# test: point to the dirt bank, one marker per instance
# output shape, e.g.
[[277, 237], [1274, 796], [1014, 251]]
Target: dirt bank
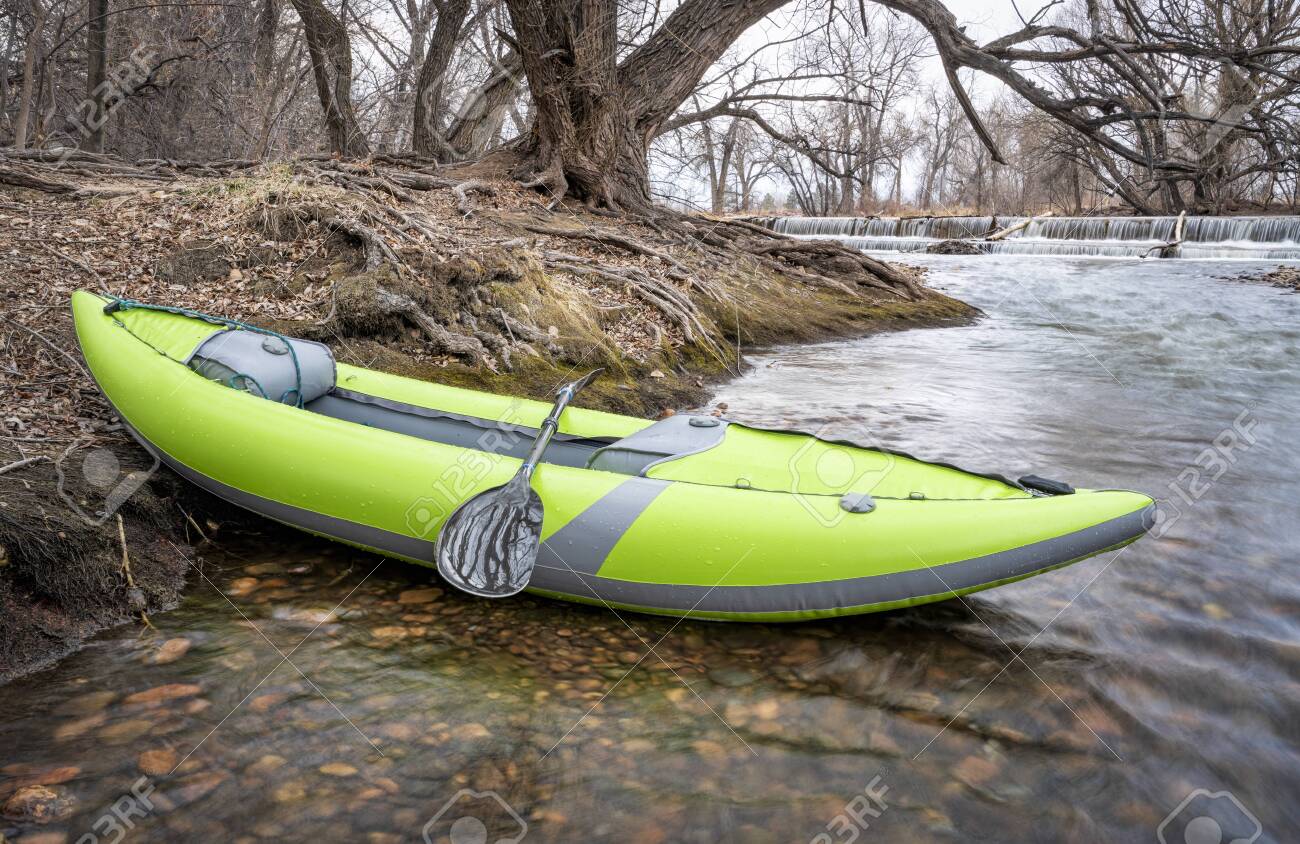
[[449, 276]]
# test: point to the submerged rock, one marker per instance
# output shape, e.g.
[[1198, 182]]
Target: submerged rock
[[37, 804]]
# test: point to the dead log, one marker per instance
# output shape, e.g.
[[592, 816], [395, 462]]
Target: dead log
[[1010, 230]]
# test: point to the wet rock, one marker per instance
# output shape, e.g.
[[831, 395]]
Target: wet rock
[[953, 247], [399, 732], [37, 804], [196, 787], [707, 747], [732, 677], [1216, 612], [158, 694], [267, 702], [125, 731], [79, 727], [262, 569], [44, 837], [337, 769], [390, 786], [170, 651], [157, 763], [309, 617], [17, 776], [242, 586], [391, 631], [425, 595], [290, 792], [86, 704], [265, 765], [471, 732], [975, 770]]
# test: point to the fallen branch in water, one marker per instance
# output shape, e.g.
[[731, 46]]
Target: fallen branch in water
[[1010, 230]]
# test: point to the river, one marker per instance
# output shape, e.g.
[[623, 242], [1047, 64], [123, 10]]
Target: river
[[307, 691]]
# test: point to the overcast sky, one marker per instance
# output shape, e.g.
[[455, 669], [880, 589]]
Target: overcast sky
[[984, 20]]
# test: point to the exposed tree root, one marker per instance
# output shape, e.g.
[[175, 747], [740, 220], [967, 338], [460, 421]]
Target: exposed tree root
[[444, 340], [464, 189]]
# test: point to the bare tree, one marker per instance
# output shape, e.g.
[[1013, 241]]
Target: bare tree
[[331, 57]]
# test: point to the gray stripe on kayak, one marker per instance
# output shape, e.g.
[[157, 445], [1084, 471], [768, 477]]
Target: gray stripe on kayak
[[778, 598], [855, 591], [585, 542]]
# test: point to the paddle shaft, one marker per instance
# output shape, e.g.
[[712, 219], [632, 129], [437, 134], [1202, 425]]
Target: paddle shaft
[[548, 429]]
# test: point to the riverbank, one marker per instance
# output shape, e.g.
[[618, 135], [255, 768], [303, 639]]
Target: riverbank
[[434, 274]]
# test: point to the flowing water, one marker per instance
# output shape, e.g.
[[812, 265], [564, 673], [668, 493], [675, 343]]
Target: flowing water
[[1247, 238], [307, 691]]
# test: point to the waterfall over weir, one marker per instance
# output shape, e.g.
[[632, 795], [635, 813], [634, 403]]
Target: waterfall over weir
[[1256, 238]]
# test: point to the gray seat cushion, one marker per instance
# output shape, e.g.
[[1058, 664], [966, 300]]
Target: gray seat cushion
[[261, 364]]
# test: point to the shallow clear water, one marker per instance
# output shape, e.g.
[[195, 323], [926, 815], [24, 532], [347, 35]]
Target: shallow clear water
[[1144, 675]]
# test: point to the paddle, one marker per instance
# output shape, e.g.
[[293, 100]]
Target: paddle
[[488, 547]]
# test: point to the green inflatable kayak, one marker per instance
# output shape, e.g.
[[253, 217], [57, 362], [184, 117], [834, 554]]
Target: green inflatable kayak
[[689, 515]]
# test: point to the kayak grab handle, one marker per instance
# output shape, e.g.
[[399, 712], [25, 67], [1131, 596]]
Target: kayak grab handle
[[1046, 485]]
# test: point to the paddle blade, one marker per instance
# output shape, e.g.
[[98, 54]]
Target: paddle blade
[[488, 547]]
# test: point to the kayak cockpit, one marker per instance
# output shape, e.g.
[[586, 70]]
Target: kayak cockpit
[[461, 430]]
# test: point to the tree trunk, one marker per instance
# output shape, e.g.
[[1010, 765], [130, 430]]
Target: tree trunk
[[426, 135], [96, 71], [594, 116], [29, 74], [268, 24], [331, 59], [481, 115]]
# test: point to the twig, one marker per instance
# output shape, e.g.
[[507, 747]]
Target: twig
[[19, 464], [195, 524], [126, 566], [39, 336]]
